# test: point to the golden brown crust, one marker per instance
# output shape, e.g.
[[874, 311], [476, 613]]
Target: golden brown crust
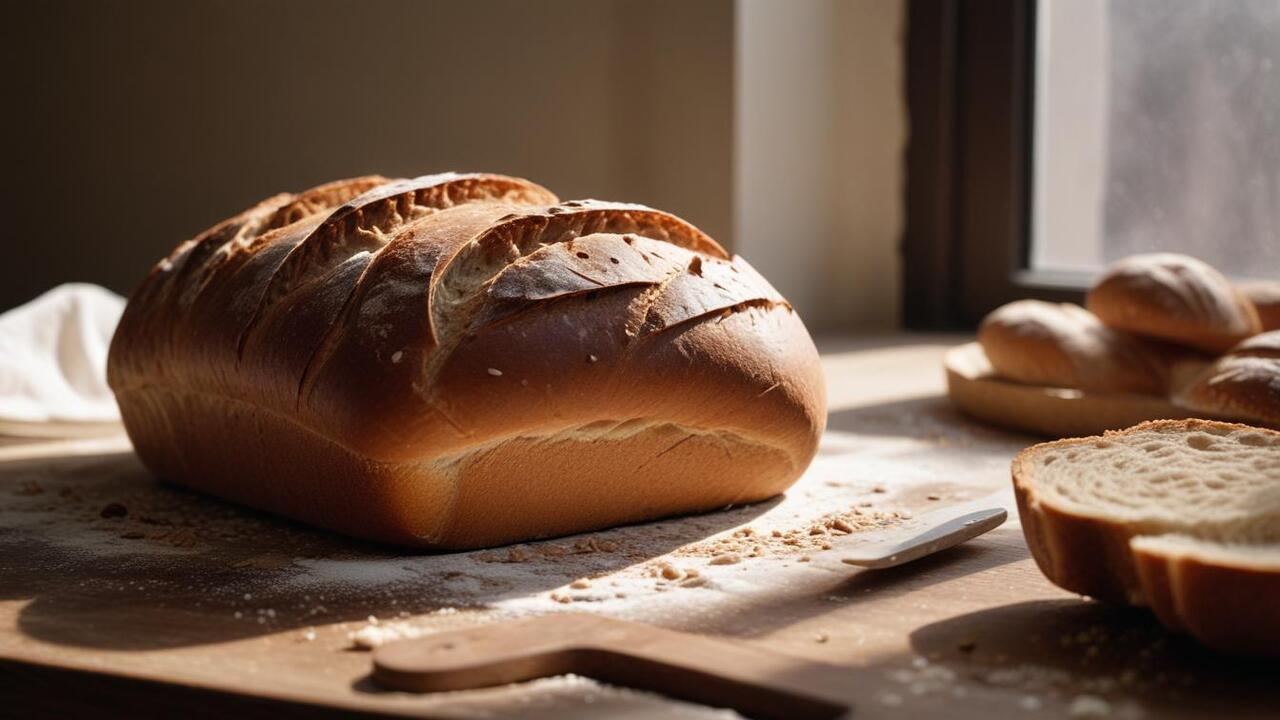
[[460, 346], [169, 291], [1061, 345], [525, 488], [1096, 557], [1229, 608], [1174, 298], [1244, 383], [974, 389]]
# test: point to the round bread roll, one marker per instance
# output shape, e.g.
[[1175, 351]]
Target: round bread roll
[[462, 360], [1063, 345], [1175, 298], [1265, 296], [1243, 384]]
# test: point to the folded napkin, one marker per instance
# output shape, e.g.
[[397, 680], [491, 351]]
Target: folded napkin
[[53, 357]]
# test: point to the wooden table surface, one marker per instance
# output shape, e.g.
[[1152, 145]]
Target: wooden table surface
[[186, 604]]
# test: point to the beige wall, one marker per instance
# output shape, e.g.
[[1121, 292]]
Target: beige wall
[[819, 150], [138, 124]]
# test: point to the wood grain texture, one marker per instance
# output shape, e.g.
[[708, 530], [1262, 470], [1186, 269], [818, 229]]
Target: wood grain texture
[[149, 624]]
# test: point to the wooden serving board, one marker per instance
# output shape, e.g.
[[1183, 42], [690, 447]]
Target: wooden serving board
[[976, 390], [117, 592]]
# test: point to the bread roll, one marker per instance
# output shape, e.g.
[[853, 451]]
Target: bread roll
[[1265, 296], [1174, 298], [1244, 383], [458, 361], [1182, 516], [1065, 346]]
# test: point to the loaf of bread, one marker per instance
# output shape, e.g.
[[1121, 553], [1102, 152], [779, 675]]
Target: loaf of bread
[[1065, 346], [1242, 384], [1175, 298], [1265, 296], [458, 361], [1182, 516]]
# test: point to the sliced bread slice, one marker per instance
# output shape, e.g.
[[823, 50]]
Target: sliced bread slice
[[1224, 593], [1179, 515]]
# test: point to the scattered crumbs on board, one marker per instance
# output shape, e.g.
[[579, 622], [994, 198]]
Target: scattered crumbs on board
[[748, 542]]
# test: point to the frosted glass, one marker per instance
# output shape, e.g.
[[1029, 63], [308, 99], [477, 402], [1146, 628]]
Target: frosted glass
[[1158, 128]]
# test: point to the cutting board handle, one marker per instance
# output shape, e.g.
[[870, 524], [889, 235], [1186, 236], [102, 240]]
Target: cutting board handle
[[720, 673]]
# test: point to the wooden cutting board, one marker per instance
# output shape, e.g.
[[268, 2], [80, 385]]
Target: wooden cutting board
[[754, 681], [187, 605]]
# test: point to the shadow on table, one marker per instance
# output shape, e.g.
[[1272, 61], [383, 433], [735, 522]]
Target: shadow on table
[[167, 567], [1066, 648]]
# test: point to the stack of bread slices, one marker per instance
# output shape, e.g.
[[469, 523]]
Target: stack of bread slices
[[1180, 515], [1160, 336]]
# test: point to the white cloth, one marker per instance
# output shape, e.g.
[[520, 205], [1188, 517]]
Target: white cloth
[[53, 357]]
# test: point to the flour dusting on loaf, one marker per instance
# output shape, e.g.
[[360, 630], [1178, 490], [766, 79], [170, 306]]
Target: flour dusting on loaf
[[461, 360]]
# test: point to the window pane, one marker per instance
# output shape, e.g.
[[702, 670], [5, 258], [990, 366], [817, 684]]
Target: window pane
[[1158, 128]]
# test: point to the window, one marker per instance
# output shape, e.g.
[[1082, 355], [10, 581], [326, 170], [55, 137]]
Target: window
[[1050, 138], [1157, 127]]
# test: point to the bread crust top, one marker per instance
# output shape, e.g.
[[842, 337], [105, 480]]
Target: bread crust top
[[1063, 345], [410, 320], [1175, 298]]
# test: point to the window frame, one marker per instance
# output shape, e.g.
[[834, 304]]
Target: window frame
[[971, 100]]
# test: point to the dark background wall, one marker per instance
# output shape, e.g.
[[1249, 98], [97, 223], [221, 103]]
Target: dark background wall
[[131, 126]]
